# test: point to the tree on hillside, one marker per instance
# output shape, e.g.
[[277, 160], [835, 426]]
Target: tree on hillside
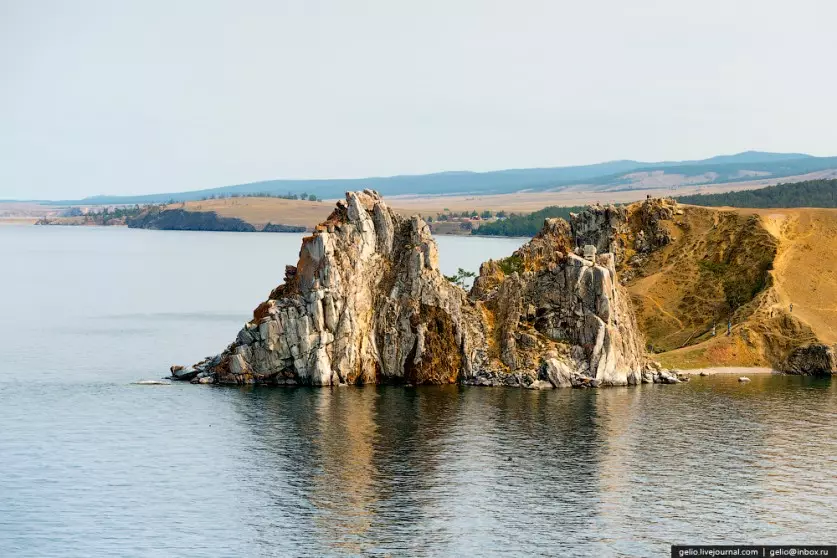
[[462, 278]]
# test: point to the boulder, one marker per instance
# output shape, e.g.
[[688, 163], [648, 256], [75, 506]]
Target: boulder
[[666, 377], [557, 372], [816, 359], [183, 374]]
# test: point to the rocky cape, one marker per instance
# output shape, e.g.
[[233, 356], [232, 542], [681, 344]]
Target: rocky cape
[[366, 303]]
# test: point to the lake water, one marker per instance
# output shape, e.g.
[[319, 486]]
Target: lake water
[[91, 465]]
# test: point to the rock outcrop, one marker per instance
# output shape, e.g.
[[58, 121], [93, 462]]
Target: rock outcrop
[[549, 303], [626, 232], [367, 303], [816, 359]]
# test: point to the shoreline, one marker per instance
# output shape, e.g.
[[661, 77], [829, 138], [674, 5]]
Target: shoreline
[[728, 370], [53, 224], [514, 382]]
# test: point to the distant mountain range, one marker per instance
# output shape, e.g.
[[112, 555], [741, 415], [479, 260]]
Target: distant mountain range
[[610, 176]]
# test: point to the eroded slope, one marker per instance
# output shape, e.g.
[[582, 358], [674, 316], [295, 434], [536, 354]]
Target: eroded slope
[[736, 267]]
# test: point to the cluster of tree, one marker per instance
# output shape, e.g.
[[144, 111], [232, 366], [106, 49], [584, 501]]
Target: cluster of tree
[[811, 193], [289, 196], [450, 215], [524, 225], [106, 214], [463, 278], [182, 220]]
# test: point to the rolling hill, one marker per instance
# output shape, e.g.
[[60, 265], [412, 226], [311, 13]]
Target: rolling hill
[[602, 177]]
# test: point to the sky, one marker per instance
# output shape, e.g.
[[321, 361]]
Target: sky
[[131, 97]]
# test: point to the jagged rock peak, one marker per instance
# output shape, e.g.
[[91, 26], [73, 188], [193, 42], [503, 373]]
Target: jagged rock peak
[[365, 303], [553, 306], [638, 227]]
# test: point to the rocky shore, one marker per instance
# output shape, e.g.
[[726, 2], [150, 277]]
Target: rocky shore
[[366, 303]]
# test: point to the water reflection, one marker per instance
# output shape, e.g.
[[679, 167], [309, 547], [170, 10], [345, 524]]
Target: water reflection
[[624, 471]]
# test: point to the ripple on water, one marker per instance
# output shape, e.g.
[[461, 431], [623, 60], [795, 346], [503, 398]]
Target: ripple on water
[[435, 471]]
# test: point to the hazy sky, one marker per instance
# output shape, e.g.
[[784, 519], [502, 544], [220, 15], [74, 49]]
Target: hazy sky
[[127, 97]]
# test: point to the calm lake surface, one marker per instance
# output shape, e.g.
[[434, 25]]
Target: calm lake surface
[[91, 465]]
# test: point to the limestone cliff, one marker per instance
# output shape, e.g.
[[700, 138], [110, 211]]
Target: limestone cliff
[[366, 303], [547, 300]]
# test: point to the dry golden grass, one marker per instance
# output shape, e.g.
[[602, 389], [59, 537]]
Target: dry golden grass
[[805, 269], [674, 300], [680, 290], [260, 211], [719, 351]]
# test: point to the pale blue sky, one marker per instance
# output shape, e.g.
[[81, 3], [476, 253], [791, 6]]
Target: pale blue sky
[[127, 97]]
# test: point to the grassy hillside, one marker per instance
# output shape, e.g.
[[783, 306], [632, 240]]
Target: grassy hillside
[[742, 265], [812, 193], [715, 266], [261, 211]]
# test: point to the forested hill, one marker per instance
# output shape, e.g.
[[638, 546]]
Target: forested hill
[[812, 193], [525, 225]]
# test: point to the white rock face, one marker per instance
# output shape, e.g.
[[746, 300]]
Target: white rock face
[[366, 303], [580, 310], [558, 372]]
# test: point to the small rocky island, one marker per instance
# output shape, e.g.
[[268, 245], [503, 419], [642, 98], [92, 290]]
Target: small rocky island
[[367, 303]]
